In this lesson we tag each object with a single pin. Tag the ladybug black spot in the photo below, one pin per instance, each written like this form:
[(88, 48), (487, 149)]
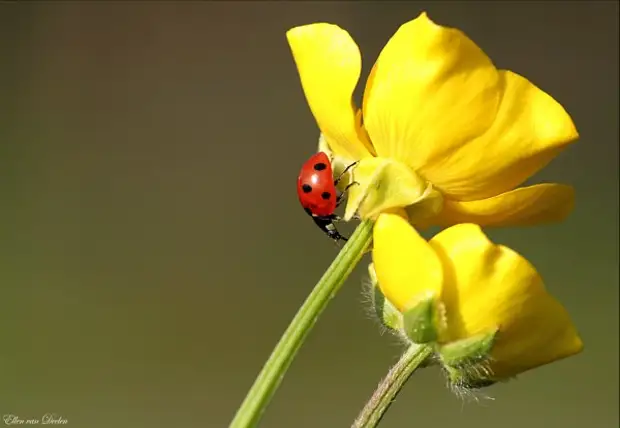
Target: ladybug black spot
[(306, 188), (326, 195), (320, 166), (308, 211)]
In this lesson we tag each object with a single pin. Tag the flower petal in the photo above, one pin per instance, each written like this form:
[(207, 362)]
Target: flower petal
[(525, 206), (329, 65), (530, 129), (431, 90), (490, 286), (407, 268), (382, 184)]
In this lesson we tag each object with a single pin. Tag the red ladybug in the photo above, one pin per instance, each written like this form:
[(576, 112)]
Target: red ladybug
[(317, 193)]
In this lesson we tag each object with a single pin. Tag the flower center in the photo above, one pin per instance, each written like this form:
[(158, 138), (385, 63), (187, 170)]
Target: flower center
[(386, 184)]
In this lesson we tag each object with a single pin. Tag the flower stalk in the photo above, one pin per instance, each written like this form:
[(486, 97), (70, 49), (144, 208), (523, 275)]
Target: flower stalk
[(268, 380), (390, 386)]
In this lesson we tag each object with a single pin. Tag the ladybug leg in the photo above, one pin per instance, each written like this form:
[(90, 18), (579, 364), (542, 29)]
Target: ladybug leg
[(344, 192), (326, 224), (337, 180), (336, 236)]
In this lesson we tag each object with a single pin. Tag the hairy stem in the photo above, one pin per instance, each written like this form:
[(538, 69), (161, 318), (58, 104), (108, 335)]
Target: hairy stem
[(390, 386), (274, 369)]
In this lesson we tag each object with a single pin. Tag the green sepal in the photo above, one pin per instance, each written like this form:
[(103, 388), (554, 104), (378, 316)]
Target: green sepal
[(419, 321), (385, 311), (468, 351), (467, 378)]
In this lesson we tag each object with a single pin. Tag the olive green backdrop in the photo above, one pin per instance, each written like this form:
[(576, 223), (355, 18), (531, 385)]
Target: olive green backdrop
[(153, 250)]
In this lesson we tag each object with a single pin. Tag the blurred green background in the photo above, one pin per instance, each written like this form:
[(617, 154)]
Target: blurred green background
[(153, 249)]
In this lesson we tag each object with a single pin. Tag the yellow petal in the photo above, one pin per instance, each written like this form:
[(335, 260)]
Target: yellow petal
[(431, 90), (383, 184), (526, 206), (530, 129), (518, 350), (407, 268), (491, 286), (329, 65)]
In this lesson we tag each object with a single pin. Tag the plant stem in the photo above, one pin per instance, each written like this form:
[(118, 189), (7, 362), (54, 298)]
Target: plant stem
[(274, 369), (390, 386)]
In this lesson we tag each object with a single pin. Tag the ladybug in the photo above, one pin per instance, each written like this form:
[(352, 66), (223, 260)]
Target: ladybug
[(316, 189)]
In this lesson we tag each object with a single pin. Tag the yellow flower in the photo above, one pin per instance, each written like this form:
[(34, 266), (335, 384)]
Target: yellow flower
[(482, 289), (442, 132)]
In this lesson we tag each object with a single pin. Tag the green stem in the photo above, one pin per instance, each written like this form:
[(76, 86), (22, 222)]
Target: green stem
[(390, 386), (273, 371)]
